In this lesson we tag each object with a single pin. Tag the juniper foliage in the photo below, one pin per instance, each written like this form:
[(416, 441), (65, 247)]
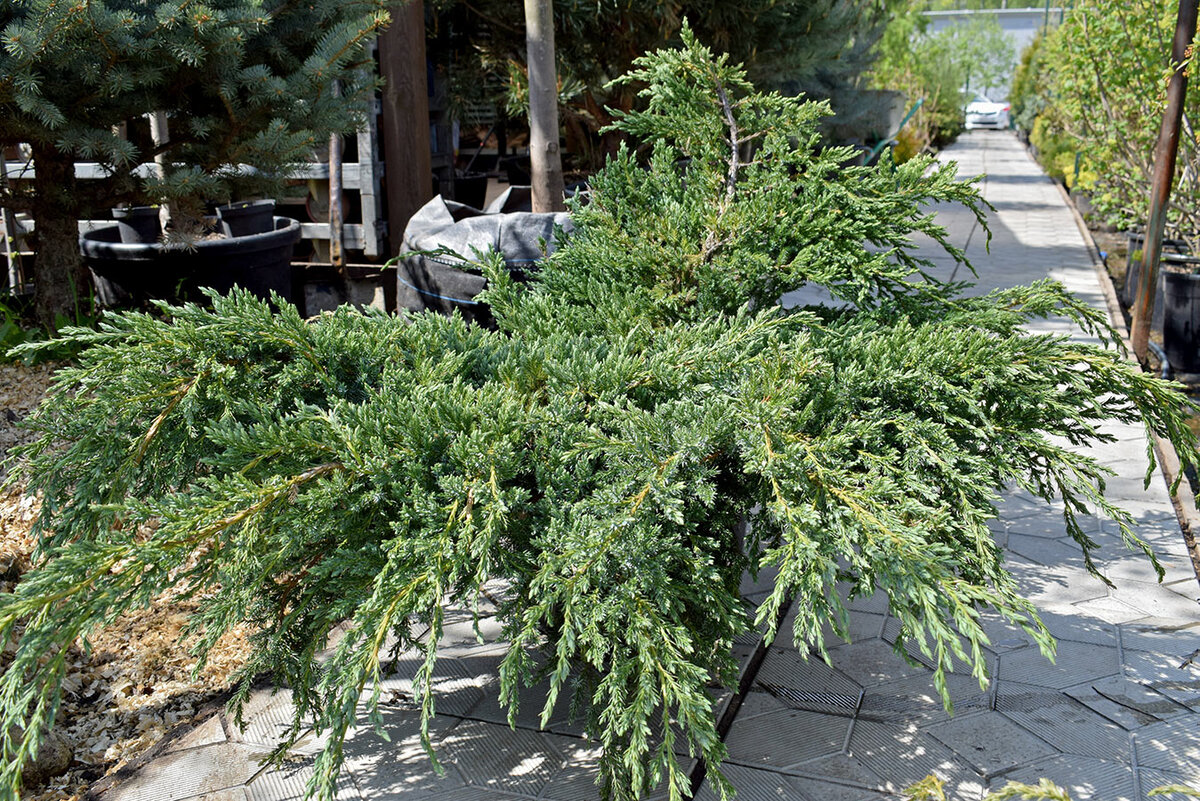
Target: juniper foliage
[(642, 398)]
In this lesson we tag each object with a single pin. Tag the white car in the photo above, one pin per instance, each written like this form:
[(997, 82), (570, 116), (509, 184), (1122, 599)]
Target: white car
[(985, 113)]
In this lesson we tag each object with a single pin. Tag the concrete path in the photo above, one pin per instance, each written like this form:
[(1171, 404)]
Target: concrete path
[(1114, 716)]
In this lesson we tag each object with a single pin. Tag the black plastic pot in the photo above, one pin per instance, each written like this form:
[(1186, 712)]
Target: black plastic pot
[(1181, 318), (1133, 260), (517, 168), (246, 217), (138, 224), (126, 273), (470, 189)]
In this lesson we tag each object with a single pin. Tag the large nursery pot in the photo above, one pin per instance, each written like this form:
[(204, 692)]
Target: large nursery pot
[(449, 280), (1181, 316), (1133, 260), (246, 217), (125, 272)]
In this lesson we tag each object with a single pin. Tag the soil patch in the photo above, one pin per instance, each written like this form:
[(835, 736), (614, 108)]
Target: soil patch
[(136, 683)]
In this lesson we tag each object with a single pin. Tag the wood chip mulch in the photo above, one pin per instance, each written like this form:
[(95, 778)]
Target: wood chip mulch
[(136, 684)]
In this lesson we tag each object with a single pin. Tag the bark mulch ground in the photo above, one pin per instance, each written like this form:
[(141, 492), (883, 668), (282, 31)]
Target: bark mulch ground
[(136, 684)]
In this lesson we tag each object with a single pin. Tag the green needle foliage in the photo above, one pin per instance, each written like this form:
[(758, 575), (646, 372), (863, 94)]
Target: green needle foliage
[(600, 453), (240, 83)]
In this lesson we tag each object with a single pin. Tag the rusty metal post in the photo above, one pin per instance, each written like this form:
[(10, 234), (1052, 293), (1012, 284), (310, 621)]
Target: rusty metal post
[(1165, 153), (337, 253)]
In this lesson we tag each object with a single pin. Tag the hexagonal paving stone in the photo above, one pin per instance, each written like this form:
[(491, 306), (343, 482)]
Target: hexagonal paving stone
[(753, 785), (1163, 535), (530, 703), (1149, 779), (916, 699), (1161, 635), (461, 634), (860, 626), (470, 794), (759, 702), (1172, 746), (190, 774), (288, 783), (386, 769), (990, 743), (1003, 635), (494, 756), (1127, 703), (1130, 566), (836, 778), (902, 754), (891, 631), (208, 732), (1121, 490), (1054, 584), (458, 684), (575, 779), (789, 670), (1110, 610), (1083, 778), (1046, 551), (873, 662), (1157, 600), (1076, 662), (786, 738), (1020, 505), (1066, 623), (1162, 673), (1058, 719)]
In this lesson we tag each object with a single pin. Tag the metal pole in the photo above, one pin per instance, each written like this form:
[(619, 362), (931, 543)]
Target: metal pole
[(1165, 153)]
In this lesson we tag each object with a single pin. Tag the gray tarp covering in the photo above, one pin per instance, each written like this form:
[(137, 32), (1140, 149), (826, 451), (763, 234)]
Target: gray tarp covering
[(448, 281)]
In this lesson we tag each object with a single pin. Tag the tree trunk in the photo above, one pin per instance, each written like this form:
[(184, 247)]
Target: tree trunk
[(1165, 153), (545, 165), (59, 276)]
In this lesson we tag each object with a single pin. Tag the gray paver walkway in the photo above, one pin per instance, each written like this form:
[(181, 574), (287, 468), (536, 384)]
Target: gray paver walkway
[(1114, 716)]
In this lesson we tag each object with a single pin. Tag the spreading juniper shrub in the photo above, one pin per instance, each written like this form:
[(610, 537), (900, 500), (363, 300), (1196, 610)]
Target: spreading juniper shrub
[(599, 452)]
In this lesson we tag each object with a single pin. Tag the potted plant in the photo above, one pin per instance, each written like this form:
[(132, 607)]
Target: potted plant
[(239, 90), (124, 271), (138, 224), (246, 218), (1181, 314), (252, 249), (643, 397)]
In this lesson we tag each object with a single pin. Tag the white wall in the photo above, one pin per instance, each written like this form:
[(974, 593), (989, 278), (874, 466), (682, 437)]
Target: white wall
[(1021, 24)]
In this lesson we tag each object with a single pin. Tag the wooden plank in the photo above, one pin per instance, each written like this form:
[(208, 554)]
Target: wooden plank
[(352, 174), (405, 129)]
